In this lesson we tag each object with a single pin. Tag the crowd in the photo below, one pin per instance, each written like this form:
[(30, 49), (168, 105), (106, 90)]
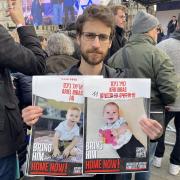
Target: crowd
[(63, 12), (100, 37)]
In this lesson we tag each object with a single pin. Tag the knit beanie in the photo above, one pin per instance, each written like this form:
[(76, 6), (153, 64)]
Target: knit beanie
[(144, 22)]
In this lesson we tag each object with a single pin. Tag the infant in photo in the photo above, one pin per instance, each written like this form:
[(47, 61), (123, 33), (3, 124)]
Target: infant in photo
[(67, 134), (117, 133)]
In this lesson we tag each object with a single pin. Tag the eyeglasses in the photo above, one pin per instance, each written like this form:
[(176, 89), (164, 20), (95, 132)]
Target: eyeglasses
[(90, 36), (122, 17)]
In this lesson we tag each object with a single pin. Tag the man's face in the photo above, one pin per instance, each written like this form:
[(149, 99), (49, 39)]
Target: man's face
[(155, 33), (44, 44), (111, 114), (73, 116), (94, 42), (174, 18), (120, 19)]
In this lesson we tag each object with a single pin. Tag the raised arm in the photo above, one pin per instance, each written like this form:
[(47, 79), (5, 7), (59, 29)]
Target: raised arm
[(27, 57)]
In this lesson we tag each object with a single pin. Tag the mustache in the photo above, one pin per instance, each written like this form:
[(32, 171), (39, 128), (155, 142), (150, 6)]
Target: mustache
[(94, 51)]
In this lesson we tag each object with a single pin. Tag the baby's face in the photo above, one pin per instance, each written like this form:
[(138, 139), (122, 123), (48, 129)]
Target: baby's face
[(111, 114), (73, 116)]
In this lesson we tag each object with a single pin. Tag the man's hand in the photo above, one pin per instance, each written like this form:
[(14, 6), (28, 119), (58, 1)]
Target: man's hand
[(31, 114), (151, 128), (15, 11)]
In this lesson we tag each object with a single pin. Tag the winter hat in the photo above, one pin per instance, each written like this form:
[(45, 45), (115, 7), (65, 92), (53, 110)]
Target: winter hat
[(143, 22)]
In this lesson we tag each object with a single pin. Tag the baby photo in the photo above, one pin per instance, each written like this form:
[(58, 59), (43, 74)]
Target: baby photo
[(115, 125)]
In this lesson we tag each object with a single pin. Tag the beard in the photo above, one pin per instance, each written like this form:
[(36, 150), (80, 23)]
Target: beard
[(98, 58)]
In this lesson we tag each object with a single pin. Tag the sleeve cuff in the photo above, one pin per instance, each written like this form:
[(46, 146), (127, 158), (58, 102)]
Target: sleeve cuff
[(19, 25)]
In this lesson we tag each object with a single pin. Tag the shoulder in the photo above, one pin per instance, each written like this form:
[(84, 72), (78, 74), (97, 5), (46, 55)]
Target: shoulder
[(115, 73), (28, 30), (115, 59), (167, 43)]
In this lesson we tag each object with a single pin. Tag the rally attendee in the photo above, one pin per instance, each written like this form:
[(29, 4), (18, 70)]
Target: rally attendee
[(27, 58)]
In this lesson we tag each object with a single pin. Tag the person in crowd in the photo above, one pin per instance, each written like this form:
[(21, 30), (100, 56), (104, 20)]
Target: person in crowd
[(67, 134), (171, 26), (172, 47), (36, 12), (28, 58), (57, 6), (95, 29), (146, 61), (69, 8), (43, 42), (122, 139), (160, 34), (70, 30), (60, 49), (119, 39)]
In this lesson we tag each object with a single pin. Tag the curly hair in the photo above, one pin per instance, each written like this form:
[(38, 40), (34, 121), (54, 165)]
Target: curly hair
[(59, 43)]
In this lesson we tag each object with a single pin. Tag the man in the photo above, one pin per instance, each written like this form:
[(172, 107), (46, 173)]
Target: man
[(57, 6), (172, 47), (60, 49), (14, 56), (69, 8), (147, 61), (36, 12), (171, 25), (94, 35), (119, 39), (43, 41)]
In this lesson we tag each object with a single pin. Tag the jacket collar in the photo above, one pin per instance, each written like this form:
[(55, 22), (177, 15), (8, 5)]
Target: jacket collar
[(141, 38), (74, 70), (119, 30), (106, 72)]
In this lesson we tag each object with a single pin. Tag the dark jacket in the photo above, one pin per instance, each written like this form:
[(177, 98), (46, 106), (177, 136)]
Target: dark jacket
[(28, 60), (171, 27), (58, 63), (23, 85), (107, 72), (118, 41)]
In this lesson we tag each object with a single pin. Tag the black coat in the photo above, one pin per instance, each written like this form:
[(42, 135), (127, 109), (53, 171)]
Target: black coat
[(14, 56), (118, 40), (171, 27)]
